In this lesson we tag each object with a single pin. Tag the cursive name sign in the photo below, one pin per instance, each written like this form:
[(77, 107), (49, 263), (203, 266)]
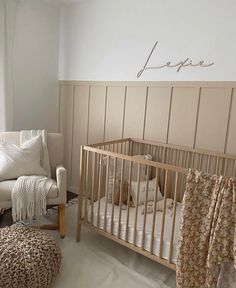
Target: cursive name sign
[(182, 64)]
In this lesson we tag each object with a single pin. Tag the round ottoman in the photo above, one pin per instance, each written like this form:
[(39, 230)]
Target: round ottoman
[(28, 258)]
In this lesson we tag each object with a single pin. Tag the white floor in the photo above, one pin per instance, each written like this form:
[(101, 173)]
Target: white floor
[(99, 262)]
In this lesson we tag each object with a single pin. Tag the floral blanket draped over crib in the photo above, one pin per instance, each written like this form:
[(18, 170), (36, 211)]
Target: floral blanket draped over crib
[(207, 242)]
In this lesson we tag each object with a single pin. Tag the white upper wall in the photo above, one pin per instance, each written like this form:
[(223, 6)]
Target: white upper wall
[(36, 66), (110, 39)]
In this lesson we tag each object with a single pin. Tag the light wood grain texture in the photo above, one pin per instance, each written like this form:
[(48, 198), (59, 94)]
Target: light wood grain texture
[(134, 112), (114, 112), (96, 114), (158, 105), (61, 215), (212, 118), (173, 179), (183, 116)]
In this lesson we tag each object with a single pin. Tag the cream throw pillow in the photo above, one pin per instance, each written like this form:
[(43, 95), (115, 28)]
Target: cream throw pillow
[(142, 191), (18, 161)]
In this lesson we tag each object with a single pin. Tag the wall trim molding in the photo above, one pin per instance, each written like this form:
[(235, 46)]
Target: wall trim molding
[(215, 84)]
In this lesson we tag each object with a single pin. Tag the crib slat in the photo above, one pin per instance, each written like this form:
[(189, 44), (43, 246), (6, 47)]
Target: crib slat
[(128, 202), (170, 157), (86, 183), (217, 165), (208, 163), (182, 178), (154, 212), (192, 160), (120, 200), (177, 158), (93, 185), (145, 209), (174, 217), (99, 189), (225, 166), (163, 215), (106, 193), (200, 161), (234, 172), (137, 206), (113, 196)]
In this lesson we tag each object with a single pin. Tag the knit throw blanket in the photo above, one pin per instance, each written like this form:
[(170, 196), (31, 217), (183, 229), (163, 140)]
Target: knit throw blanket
[(29, 192)]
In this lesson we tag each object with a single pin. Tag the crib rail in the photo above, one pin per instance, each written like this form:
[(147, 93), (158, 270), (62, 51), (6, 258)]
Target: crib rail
[(94, 186), (107, 173)]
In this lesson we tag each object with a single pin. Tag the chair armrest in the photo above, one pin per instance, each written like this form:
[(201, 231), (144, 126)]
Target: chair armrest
[(61, 179)]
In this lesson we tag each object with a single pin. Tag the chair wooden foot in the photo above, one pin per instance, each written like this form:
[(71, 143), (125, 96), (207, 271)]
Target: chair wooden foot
[(61, 220)]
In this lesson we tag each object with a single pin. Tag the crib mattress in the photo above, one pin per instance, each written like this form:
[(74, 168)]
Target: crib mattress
[(149, 221)]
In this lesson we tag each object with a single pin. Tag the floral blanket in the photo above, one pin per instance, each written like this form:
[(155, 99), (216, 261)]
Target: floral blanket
[(207, 241)]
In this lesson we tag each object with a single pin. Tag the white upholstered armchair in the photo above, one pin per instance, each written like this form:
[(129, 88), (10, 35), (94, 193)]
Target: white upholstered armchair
[(57, 193)]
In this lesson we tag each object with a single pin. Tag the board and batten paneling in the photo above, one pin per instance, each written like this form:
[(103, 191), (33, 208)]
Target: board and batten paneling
[(66, 105), (183, 115), (194, 114), (213, 116), (135, 106), (97, 114), (231, 140), (80, 135), (114, 112), (157, 113)]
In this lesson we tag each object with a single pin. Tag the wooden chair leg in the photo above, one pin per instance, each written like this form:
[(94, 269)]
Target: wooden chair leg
[(61, 220)]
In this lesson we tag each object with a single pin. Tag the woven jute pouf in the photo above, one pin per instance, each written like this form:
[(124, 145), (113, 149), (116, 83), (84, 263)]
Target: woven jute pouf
[(28, 258)]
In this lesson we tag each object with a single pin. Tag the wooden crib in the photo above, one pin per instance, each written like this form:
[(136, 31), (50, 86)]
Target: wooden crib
[(154, 234)]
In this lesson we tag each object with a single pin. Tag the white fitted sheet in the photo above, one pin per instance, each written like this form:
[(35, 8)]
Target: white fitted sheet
[(149, 220)]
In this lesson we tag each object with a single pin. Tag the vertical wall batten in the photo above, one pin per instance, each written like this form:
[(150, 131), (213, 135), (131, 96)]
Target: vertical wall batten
[(123, 123), (228, 121), (105, 115), (59, 108), (145, 113), (88, 114), (231, 141), (198, 105), (169, 115)]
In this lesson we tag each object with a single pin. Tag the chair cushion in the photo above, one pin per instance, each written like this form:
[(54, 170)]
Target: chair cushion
[(7, 186)]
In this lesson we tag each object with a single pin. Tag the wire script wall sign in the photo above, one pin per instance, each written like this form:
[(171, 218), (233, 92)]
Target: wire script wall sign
[(182, 64)]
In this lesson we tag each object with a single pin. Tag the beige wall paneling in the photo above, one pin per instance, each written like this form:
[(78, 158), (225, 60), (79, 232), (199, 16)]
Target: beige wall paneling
[(66, 122), (183, 116), (213, 118), (135, 111), (231, 141), (114, 112), (96, 114), (157, 113), (80, 124)]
